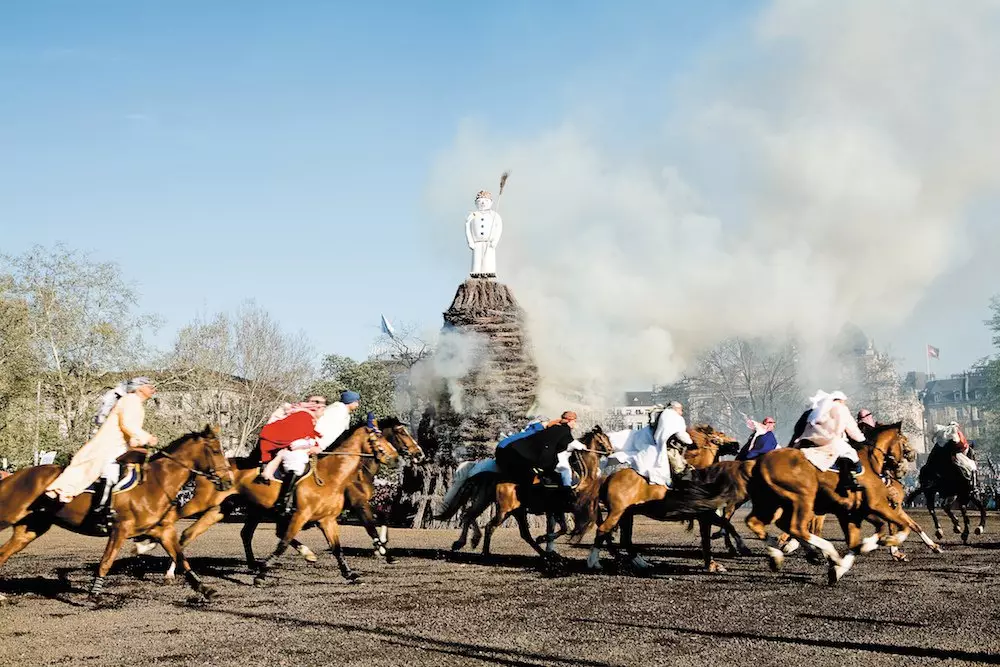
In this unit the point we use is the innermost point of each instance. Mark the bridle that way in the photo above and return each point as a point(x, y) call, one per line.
point(212, 474)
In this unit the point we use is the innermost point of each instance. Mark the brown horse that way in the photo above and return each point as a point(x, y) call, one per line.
point(626, 493)
point(518, 501)
point(207, 501)
point(785, 480)
point(146, 509)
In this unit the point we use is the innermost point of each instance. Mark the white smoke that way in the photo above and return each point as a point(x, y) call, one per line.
point(456, 354)
point(818, 172)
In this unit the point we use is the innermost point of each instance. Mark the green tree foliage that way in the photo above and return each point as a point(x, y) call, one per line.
point(372, 378)
point(991, 370)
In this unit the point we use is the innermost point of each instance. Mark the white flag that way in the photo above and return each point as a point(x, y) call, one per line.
point(387, 328)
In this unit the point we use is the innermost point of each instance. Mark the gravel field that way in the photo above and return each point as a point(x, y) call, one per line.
point(433, 607)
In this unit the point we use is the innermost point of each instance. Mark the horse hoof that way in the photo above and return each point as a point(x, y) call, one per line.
point(956, 530)
point(965, 538)
point(790, 546)
point(980, 530)
point(939, 534)
point(457, 545)
point(310, 557)
point(716, 568)
point(900, 557)
point(937, 549)
point(352, 577)
point(169, 580)
point(389, 559)
point(208, 592)
point(775, 558)
point(832, 576)
point(815, 558)
point(259, 582)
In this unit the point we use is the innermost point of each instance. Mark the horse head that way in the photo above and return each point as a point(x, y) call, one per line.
point(201, 452)
point(377, 444)
point(598, 440)
point(398, 433)
point(889, 448)
point(707, 438)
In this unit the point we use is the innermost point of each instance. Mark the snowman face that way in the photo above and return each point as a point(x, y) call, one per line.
point(484, 204)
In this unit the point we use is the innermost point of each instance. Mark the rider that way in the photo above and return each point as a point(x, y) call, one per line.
point(672, 439)
point(120, 428)
point(950, 439)
point(287, 440)
point(519, 458)
point(761, 441)
point(826, 425)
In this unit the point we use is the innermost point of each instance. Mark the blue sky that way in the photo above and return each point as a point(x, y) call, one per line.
point(280, 151)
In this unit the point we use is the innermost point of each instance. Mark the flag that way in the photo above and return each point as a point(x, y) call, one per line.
point(933, 352)
point(387, 328)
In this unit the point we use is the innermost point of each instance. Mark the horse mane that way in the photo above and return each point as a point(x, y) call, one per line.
point(390, 422)
point(343, 437)
point(878, 429)
point(180, 442)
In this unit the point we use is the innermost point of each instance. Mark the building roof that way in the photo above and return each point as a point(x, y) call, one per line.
point(947, 388)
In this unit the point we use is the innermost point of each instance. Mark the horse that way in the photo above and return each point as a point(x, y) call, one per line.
point(207, 502)
point(487, 488)
point(941, 475)
point(146, 509)
point(626, 493)
point(785, 480)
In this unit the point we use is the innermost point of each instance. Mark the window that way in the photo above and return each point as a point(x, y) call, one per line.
point(959, 413)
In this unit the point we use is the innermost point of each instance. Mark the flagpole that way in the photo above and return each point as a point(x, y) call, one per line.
point(927, 355)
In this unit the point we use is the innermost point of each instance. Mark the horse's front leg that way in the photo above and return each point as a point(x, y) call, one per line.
point(965, 521)
point(930, 499)
point(331, 531)
point(292, 528)
point(367, 516)
point(978, 503)
point(705, 525)
point(948, 505)
point(521, 516)
point(119, 533)
point(168, 539)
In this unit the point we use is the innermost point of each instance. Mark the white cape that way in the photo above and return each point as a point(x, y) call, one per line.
point(638, 450)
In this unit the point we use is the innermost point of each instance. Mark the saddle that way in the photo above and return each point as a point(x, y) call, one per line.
point(281, 474)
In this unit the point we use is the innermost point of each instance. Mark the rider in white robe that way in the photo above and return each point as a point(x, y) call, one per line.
point(829, 422)
point(653, 454)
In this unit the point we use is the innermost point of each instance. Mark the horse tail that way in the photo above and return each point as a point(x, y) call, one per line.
point(458, 493)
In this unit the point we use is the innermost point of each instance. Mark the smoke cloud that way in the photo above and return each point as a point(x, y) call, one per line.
point(819, 171)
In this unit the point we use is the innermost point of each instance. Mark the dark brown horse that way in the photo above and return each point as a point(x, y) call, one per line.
point(626, 493)
point(487, 488)
point(146, 509)
point(941, 476)
point(787, 488)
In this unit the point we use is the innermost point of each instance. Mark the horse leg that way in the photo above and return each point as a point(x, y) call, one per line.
point(930, 499)
point(627, 526)
point(949, 509)
point(291, 529)
point(852, 535)
point(211, 517)
point(521, 516)
point(246, 536)
point(705, 525)
point(603, 535)
point(308, 554)
point(367, 516)
point(24, 534)
point(965, 520)
point(115, 541)
point(799, 526)
point(979, 504)
point(167, 538)
point(331, 531)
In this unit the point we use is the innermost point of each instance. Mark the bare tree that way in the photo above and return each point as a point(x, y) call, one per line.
point(744, 377)
point(245, 364)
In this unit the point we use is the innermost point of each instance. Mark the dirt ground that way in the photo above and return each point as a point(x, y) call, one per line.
point(432, 607)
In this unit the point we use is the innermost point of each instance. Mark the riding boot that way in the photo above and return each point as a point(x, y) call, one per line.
point(849, 473)
point(286, 500)
point(101, 513)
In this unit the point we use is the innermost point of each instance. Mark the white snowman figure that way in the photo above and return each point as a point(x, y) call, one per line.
point(483, 228)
